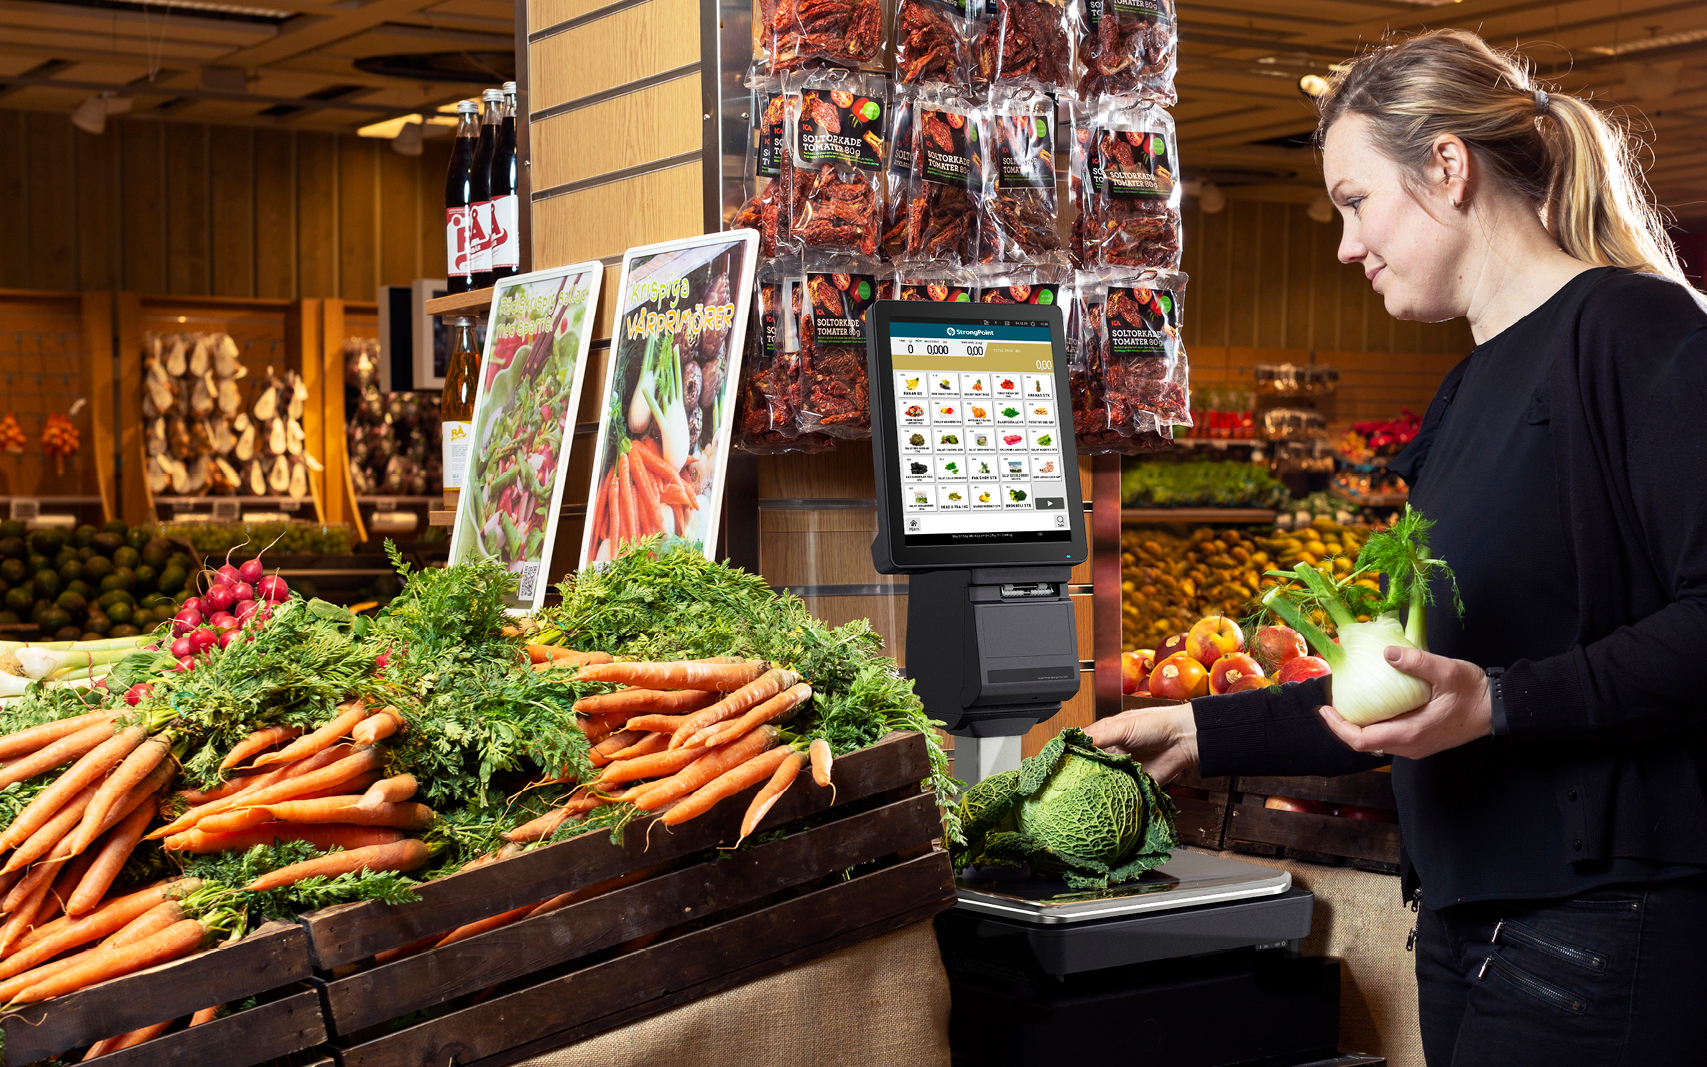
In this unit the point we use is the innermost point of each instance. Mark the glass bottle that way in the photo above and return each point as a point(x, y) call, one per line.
point(456, 405)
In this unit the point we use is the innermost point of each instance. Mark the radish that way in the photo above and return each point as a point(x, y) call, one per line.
point(227, 637)
point(187, 663)
point(137, 693)
point(242, 591)
point(246, 608)
point(251, 571)
point(227, 575)
point(203, 639)
point(273, 588)
point(220, 598)
point(185, 621)
point(182, 647)
point(195, 604)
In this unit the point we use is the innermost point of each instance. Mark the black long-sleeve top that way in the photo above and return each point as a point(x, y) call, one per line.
point(1565, 463)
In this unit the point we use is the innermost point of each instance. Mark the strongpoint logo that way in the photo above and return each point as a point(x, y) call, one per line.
point(951, 331)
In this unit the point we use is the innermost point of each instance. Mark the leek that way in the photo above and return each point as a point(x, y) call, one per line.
point(1365, 687)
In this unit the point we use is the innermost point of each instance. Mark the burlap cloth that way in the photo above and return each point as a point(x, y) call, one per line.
point(1360, 920)
point(880, 1002)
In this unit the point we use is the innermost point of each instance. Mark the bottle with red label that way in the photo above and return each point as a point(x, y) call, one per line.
point(459, 196)
point(505, 236)
point(480, 217)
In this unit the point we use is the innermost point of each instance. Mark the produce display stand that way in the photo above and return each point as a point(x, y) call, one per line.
point(1230, 516)
point(717, 918)
point(54, 349)
point(340, 319)
point(271, 963)
point(1320, 838)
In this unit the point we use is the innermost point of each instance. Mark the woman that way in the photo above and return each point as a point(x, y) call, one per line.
point(1551, 791)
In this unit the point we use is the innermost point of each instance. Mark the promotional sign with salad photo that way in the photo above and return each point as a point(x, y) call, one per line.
point(529, 391)
point(669, 395)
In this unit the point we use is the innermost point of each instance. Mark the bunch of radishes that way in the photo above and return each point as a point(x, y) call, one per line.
point(236, 596)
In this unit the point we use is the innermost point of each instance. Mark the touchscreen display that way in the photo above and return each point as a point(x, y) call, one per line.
point(980, 428)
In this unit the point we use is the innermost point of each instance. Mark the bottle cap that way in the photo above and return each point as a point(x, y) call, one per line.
point(493, 95)
point(509, 88)
point(467, 107)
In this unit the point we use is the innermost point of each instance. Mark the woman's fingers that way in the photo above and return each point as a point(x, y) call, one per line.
point(1163, 739)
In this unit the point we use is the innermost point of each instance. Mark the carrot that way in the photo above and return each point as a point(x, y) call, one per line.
point(707, 768)
point(24, 742)
point(661, 467)
point(616, 742)
point(393, 790)
point(195, 797)
point(665, 724)
point(630, 505)
point(179, 939)
point(653, 766)
point(242, 818)
point(766, 798)
point(822, 758)
point(378, 726)
point(613, 526)
point(135, 769)
point(149, 922)
point(600, 510)
point(346, 809)
point(264, 738)
point(109, 860)
point(338, 772)
point(668, 702)
point(757, 691)
point(206, 1015)
point(321, 739)
point(480, 926)
point(134, 1038)
point(574, 659)
point(674, 494)
point(676, 674)
point(226, 822)
point(537, 829)
point(781, 707)
point(43, 840)
point(62, 751)
point(114, 915)
point(63, 886)
point(646, 746)
point(23, 915)
point(94, 763)
point(403, 855)
point(321, 835)
point(730, 782)
point(648, 495)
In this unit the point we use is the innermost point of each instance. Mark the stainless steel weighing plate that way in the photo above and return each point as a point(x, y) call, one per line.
point(1186, 880)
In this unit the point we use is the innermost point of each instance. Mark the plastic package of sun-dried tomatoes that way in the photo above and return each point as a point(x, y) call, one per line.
point(766, 401)
point(772, 180)
point(945, 188)
point(1019, 222)
point(1105, 419)
point(893, 242)
point(938, 282)
point(837, 140)
point(1026, 41)
point(834, 390)
point(1081, 134)
point(1135, 199)
point(1128, 46)
point(930, 41)
point(795, 32)
point(1140, 356)
point(1045, 282)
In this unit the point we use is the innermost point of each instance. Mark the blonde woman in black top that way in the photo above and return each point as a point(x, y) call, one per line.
point(1551, 791)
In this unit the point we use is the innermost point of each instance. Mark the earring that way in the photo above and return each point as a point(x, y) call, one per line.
point(1455, 204)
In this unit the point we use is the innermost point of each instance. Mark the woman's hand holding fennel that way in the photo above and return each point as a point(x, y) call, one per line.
point(1459, 711)
point(1164, 740)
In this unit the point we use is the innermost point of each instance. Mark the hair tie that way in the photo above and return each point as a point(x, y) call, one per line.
point(1540, 102)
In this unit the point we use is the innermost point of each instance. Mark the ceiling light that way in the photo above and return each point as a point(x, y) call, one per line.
point(1213, 200)
point(91, 114)
point(1313, 85)
point(1648, 44)
point(1321, 209)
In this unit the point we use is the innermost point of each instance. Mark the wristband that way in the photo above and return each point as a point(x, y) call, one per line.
point(1496, 699)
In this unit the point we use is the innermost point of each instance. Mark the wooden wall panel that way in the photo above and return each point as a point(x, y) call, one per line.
point(143, 199)
point(620, 48)
point(50, 216)
point(231, 200)
point(14, 189)
point(543, 14)
point(100, 246)
point(577, 145)
point(358, 218)
point(316, 214)
point(189, 254)
point(275, 213)
point(400, 209)
point(659, 206)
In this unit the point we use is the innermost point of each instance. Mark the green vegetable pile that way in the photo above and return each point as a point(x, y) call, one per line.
point(1198, 483)
point(1093, 818)
point(288, 538)
point(88, 583)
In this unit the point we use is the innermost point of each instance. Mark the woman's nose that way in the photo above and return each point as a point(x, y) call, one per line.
point(1351, 249)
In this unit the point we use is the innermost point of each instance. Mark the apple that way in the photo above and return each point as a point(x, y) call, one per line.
point(1179, 677)
point(1303, 667)
point(1170, 645)
point(1134, 668)
point(1352, 811)
point(1307, 807)
point(1214, 637)
point(1276, 646)
point(1251, 681)
point(1186, 792)
point(1143, 689)
point(1229, 669)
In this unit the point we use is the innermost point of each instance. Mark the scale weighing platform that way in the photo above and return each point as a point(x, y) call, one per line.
point(1194, 965)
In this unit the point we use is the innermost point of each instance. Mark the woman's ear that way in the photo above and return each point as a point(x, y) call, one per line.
point(1455, 169)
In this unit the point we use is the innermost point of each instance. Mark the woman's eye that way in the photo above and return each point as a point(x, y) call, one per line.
point(1354, 203)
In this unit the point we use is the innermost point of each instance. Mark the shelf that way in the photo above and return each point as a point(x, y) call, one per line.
point(1377, 500)
point(478, 300)
point(1221, 443)
point(1229, 515)
point(410, 501)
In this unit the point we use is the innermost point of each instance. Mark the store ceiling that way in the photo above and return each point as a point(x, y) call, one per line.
point(1243, 120)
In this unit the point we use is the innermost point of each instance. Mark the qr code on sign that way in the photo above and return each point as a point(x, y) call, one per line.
point(529, 579)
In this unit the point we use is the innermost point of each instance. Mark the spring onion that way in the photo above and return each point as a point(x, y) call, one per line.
point(1366, 688)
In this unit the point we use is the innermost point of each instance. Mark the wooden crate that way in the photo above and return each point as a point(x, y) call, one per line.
point(272, 958)
point(1204, 805)
point(1323, 838)
point(724, 917)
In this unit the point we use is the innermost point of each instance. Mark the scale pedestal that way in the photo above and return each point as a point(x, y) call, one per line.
point(1196, 965)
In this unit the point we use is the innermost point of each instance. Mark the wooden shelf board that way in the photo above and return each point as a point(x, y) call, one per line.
point(477, 300)
point(1241, 515)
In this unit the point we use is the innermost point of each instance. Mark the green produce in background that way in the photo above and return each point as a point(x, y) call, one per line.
point(1197, 484)
point(293, 539)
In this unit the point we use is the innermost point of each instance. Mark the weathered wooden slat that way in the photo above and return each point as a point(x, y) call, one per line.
point(273, 956)
point(1202, 822)
point(1372, 789)
point(351, 932)
point(608, 994)
point(1325, 834)
point(264, 1032)
point(659, 903)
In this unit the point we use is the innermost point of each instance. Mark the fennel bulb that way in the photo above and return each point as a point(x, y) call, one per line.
point(1366, 688)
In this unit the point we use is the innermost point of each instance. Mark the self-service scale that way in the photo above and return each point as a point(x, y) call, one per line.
point(978, 503)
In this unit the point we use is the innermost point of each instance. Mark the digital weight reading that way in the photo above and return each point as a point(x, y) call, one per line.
point(980, 430)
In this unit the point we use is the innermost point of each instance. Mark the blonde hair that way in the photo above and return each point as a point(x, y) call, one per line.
point(1556, 151)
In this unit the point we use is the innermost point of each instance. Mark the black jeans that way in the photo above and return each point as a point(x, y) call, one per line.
point(1617, 976)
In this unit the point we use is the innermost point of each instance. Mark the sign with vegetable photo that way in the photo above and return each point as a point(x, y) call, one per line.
point(669, 397)
point(529, 391)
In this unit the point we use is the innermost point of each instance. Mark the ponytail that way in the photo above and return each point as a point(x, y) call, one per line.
point(1557, 152)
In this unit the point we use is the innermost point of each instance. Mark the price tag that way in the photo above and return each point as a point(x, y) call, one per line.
point(289, 505)
point(225, 510)
point(385, 503)
point(25, 508)
point(394, 521)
